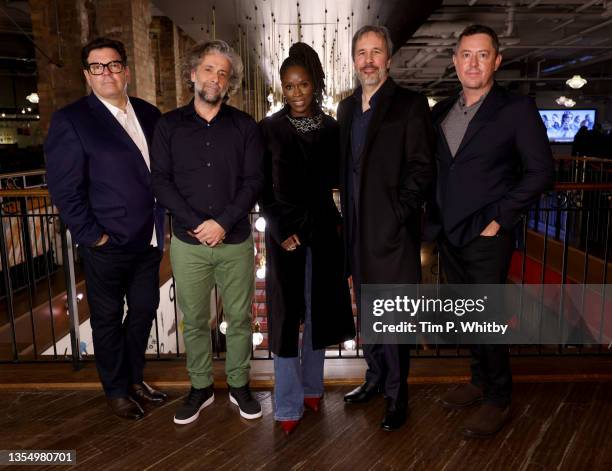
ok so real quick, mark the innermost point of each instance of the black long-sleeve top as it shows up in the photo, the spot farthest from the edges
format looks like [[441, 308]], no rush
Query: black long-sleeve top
[[208, 170]]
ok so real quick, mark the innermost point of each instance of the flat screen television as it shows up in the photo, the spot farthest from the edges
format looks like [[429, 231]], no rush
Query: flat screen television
[[562, 125]]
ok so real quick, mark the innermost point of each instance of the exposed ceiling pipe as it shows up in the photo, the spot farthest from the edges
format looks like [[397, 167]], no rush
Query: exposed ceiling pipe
[[577, 10], [444, 31], [509, 21], [440, 29], [534, 4], [422, 58], [559, 42], [587, 5], [563, 25]]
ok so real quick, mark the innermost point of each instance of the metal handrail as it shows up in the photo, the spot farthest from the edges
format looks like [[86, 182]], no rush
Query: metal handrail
[[559, 186], [569, 186], [26, 173], [583, 159], [27, 193]]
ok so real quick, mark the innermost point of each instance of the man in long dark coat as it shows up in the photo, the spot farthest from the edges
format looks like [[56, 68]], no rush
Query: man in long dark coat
[[387, 169]]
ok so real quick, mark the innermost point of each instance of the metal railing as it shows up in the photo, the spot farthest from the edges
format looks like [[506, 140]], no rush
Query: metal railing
[[44, 313], [23, 180], [583, 170]]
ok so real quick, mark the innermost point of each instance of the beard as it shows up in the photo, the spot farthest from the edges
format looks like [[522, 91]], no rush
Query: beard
[[209, 96], [372, 79]]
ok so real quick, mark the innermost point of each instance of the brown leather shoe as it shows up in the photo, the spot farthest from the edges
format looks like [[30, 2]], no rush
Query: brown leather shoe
[[486, 421], [125, 408], [145, 394], [462, 396]]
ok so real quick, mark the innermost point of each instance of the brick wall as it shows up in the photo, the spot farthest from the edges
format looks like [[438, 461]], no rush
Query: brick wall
[[128, 21], [165, 51], [60, 75], [155, 47]]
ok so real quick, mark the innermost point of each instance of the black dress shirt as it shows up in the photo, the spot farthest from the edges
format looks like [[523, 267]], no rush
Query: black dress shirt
[[208, 170]]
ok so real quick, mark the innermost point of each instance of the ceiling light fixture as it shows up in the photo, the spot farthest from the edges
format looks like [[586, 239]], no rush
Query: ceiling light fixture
[[576, 82], [564, 101]]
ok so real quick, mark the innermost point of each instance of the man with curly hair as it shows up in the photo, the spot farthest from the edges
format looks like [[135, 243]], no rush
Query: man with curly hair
[[207, 169]]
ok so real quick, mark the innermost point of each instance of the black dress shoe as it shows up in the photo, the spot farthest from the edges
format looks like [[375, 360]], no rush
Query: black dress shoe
[[145, 394], [362, 393], [395, 417], [125, 408]]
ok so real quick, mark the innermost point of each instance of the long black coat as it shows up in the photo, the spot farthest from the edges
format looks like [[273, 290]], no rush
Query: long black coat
[[397, 173], [300, 173]]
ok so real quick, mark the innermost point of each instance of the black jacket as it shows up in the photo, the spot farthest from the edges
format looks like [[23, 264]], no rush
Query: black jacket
[[503, 164], [300, 173]]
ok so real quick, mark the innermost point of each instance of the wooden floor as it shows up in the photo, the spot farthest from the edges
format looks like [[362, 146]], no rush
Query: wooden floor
[[565, 426]]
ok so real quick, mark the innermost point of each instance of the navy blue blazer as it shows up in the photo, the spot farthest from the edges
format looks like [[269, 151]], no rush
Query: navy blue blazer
[[503, 164], [98, 178]]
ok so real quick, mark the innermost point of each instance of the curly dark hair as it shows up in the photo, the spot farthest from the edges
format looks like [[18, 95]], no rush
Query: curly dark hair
[[302, 55]]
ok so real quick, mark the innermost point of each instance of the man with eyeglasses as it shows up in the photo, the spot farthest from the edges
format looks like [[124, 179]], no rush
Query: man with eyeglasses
[[98, 173]]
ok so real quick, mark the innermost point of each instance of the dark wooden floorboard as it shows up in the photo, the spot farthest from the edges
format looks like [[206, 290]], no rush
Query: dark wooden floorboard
[[565, 426]]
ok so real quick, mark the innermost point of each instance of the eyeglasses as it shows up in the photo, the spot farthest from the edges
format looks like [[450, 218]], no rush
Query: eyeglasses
[[97, 68]]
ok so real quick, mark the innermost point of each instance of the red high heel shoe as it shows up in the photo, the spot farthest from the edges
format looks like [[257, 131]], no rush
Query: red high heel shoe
[[288, 425], [313, 403]]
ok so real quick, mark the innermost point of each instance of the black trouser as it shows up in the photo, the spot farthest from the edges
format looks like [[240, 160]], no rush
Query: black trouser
[[388, 365], [111, 275], [485, 260]]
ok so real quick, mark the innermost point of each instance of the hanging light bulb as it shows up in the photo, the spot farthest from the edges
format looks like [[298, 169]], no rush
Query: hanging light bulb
[[569, 103], [431, 101], [260, 224], [258, 337], [223, 327], [33, 98], [261, 273], [576, 82], [350, 345], [561, 100]]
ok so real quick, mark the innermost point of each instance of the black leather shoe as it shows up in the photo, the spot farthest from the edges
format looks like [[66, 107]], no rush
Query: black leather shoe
[[362, 394], [125, 408], [395, 417], [145, 394]]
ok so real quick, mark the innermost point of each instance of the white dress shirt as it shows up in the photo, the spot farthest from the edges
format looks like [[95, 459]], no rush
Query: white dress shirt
[[128, 121]]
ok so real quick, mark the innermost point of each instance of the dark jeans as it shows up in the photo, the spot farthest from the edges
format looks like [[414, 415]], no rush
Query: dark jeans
[[120, 344], [485, 260]]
